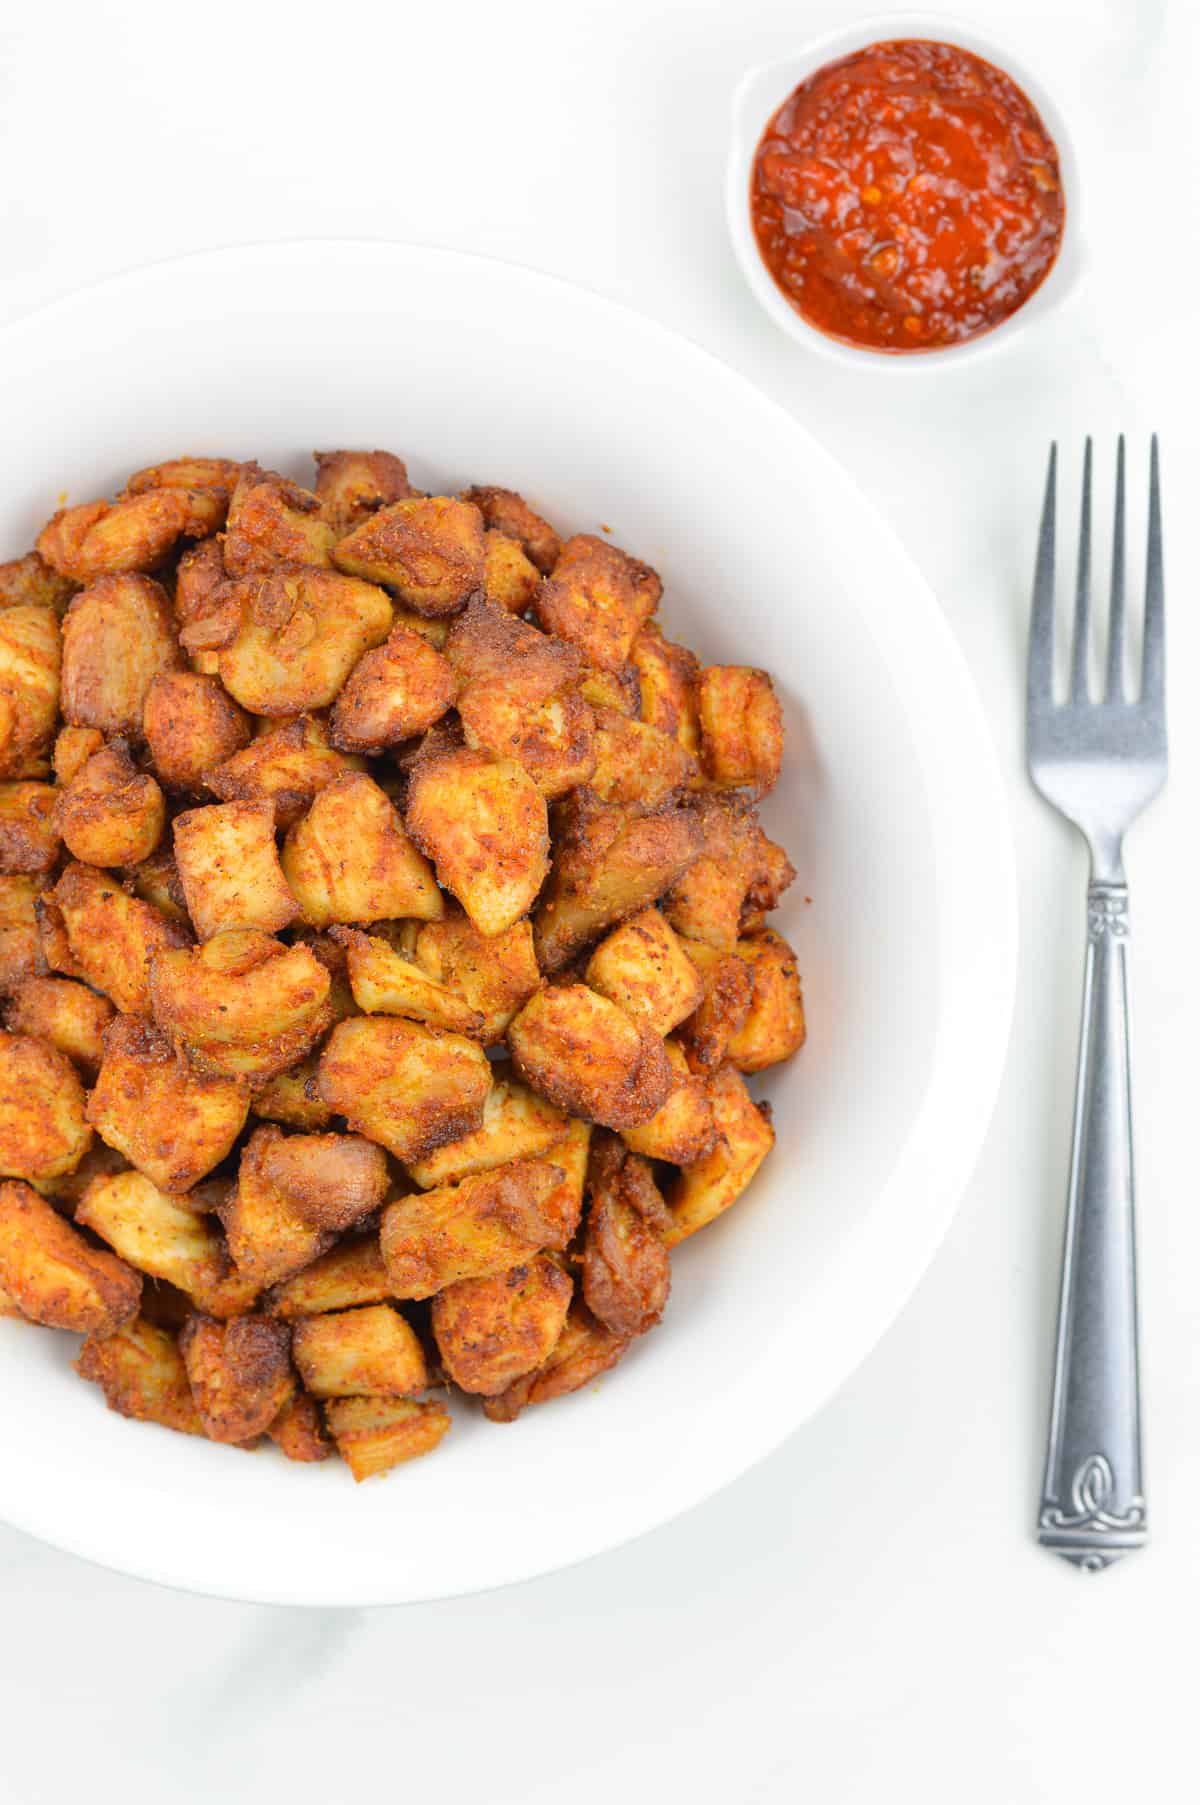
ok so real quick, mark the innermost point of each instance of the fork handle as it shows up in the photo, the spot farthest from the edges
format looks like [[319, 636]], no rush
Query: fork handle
[[1093, 1509]]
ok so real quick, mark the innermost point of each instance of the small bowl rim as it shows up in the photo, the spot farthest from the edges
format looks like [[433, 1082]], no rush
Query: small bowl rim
[[762, 89]]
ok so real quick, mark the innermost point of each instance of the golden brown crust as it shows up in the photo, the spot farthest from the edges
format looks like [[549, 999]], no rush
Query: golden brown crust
[[667, 680], [169, 1120], [373, 1435], [298, 1431], [269, 1239], [352, 485], [706, 1189], [683, 1130], [108, 936], [242, 1005], [397, 690], [53, 1275], [626, 1270], [489, 1223], [492, 1331], [351, 859], [507, 512], [330, 1180], [111, 813], [517, 1124], [63, 1012], [367, 1352], [428, 550], [643, 966], [609, 862], [482, 821], [166, 1236], [30, 661], [352, 1273], [220, 476], [297, 635], [741, 727], [191, 725], [287, 765], [239, 1373], [589, 1057], [599, 598], [229, 868], [385, 982], [405, 1086], [135, 533], [140, 1370], [273, 522], [31, 582], [773, 1028], [117, 636], [21, 953], [43, 1129], [584, 1351], [519, 697], [510, 579], [28, 832]]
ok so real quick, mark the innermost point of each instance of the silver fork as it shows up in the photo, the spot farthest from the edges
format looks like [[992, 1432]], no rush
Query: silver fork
[[1100, 763]]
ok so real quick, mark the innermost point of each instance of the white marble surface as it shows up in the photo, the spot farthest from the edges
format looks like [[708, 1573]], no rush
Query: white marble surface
[[866, 1609]]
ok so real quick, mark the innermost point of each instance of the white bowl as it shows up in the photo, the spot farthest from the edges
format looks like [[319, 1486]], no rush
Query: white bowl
[[891, 805], [762, 91]]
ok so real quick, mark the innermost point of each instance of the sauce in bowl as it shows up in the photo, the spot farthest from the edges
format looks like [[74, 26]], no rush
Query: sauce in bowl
[[907, 197]]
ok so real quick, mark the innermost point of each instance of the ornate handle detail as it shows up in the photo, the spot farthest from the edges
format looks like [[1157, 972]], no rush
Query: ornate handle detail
[[1093, 1510]]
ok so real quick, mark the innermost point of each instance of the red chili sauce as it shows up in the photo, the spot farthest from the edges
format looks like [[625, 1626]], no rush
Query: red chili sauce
[[907, 197]]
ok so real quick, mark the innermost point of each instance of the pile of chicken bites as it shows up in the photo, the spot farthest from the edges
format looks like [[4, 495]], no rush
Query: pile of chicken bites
[[384, 947]]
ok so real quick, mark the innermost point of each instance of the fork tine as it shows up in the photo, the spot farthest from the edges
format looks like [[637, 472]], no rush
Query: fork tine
[[1115, 684], [1153, 647], [1083, 586], [1041, 624]]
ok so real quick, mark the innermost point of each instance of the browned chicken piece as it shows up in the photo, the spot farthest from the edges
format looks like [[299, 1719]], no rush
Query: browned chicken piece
[[728, 990], [428, 550], [517, 1124], [43, 1128], [298, 1431], [773, 1029], [493, 974], [21, 954], [191, 724], [31, 582], [107, 936], [617, 689], [408, 1087], [269, 1239], [243, 1004], [29, 839], [220, 476], [170, 1121], [507, 512], [111, 813], [583, 1351], [598, 597], [625, 1270], [385, 982], [239, 1373], [684, 1129], [350, 859], [330, 1180], [166, 1236], [482, 820], [393, 692], [744, 1138], [492, 1331], [229, 868], [73, 746], [373, 1435], [736, 865], [271, 522], [489, 1223], [30, 660], [292, 1099], [519, 697], [590, 1057], [668, 676], [741, 727], [117, 636], [609, 863], [63, 1012], [288, 641], [53, 1275], [636, 762], [643, 965], [510, 580], [353, 485], [350, 1274], [136, 533], [367, 1352], [287, 765], [140, 1370]]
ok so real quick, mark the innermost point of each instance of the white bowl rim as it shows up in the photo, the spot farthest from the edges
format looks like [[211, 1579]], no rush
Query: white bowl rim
[[948, 1133], [764, 88]]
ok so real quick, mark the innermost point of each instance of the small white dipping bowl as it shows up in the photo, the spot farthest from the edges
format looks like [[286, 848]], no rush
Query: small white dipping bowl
[[762, 91]]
